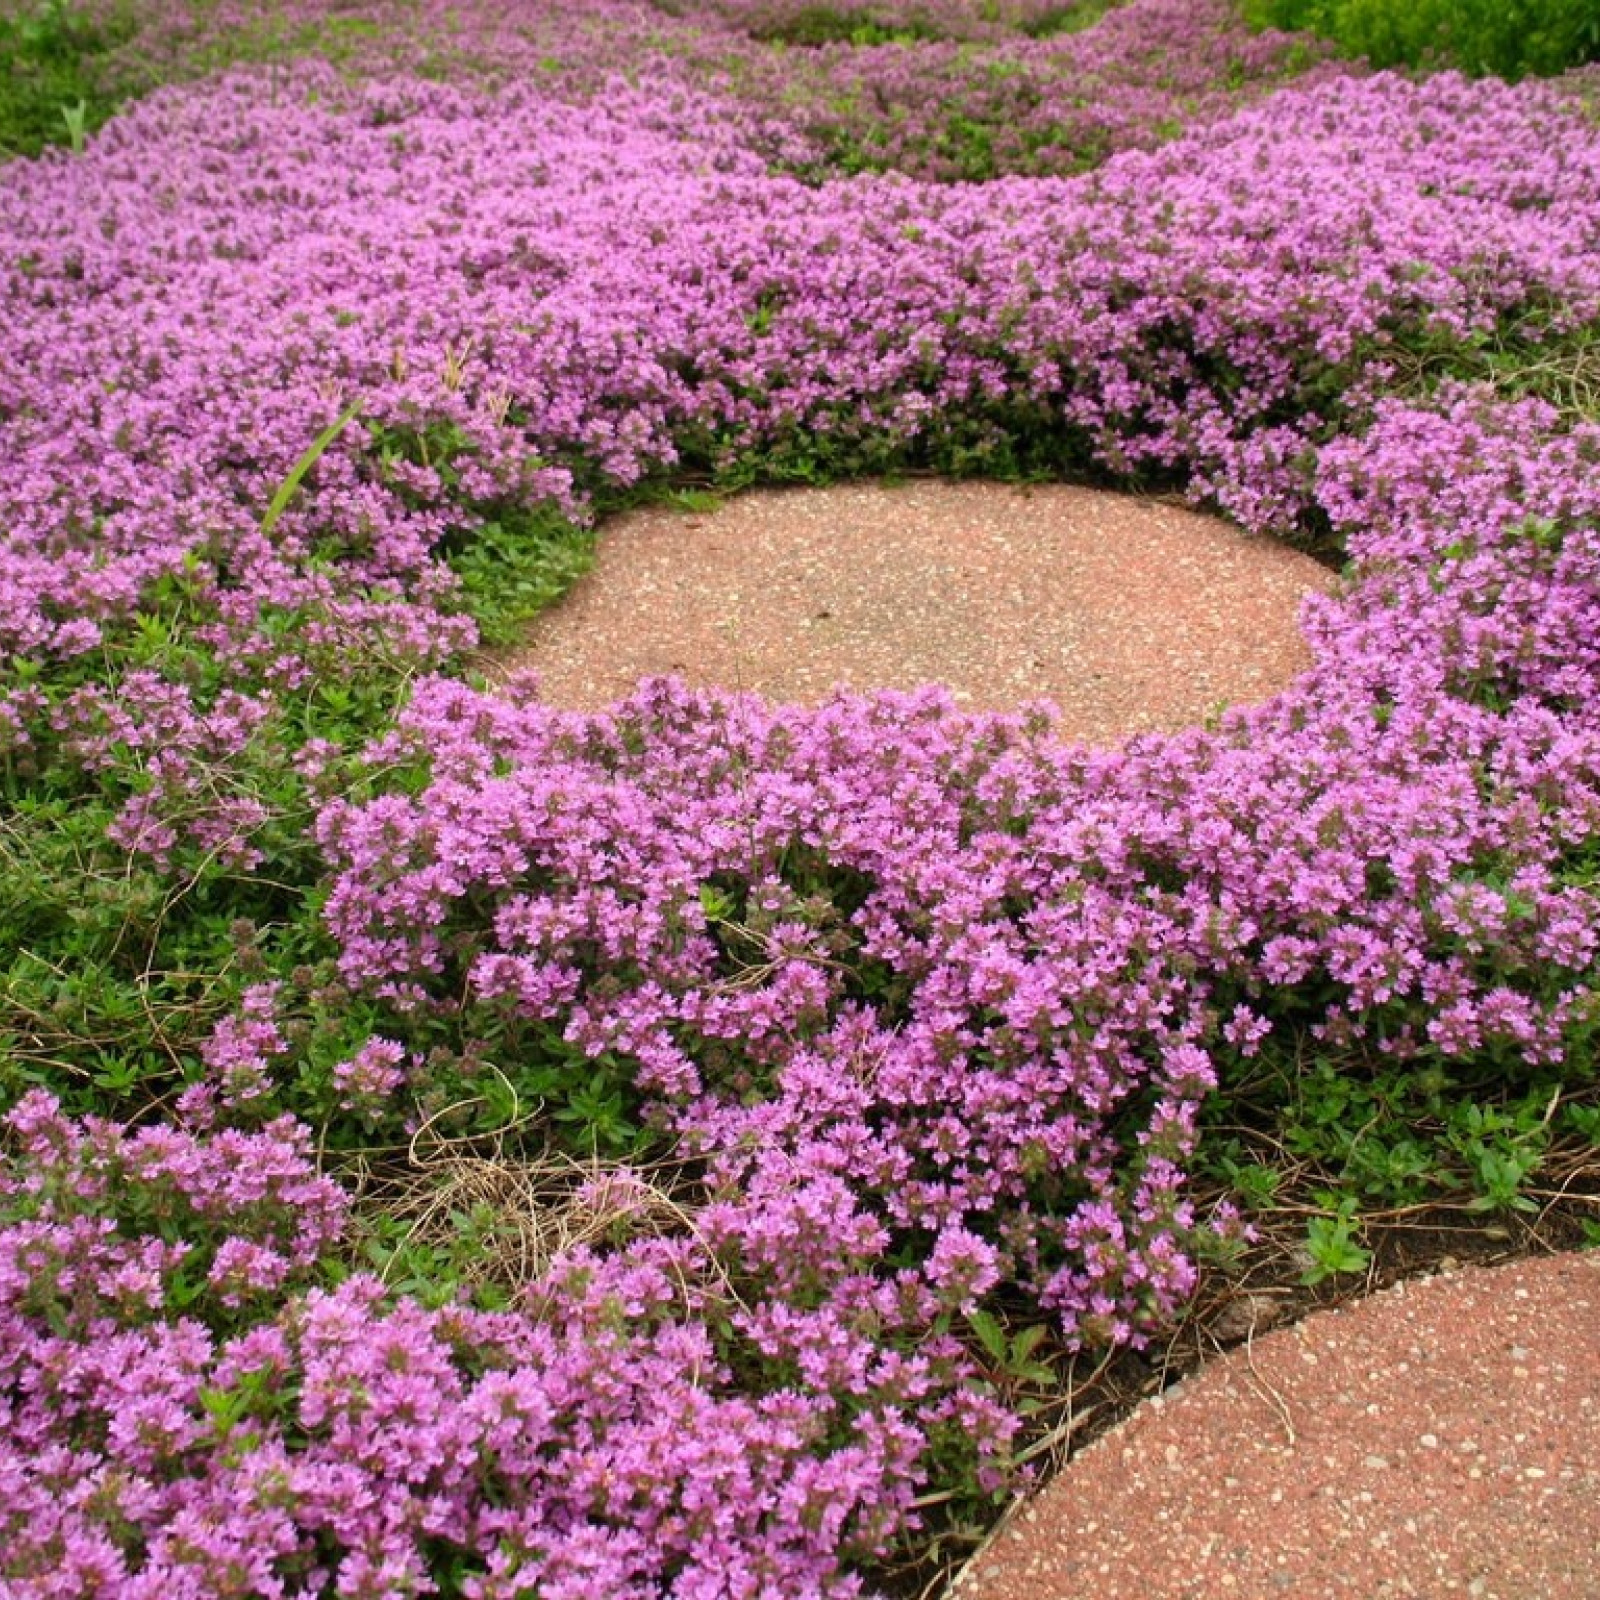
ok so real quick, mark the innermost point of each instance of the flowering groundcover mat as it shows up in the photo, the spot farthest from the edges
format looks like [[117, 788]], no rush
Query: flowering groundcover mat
[[836, 1036]]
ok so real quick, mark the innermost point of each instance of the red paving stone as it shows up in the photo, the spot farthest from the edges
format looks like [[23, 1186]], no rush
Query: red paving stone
[[1440, 1439]]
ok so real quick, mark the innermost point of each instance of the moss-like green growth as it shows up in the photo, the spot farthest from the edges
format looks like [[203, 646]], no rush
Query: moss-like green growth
[[1506, 38], [53, 89]]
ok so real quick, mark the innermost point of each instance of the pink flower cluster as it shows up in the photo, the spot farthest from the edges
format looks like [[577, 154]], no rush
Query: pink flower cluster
[[693, 880], [594, 1444]]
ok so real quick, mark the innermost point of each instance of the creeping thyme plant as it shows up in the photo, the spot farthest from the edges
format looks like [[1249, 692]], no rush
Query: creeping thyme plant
[[453, 1145]]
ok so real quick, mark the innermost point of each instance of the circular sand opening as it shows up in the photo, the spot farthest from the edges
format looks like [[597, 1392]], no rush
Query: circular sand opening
[[1129, 613]]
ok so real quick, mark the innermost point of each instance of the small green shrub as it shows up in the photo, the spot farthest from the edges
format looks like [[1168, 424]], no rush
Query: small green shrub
[[1508, 38]]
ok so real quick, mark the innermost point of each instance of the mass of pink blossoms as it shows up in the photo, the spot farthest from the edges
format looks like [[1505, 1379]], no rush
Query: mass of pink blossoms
[[928, 1004]]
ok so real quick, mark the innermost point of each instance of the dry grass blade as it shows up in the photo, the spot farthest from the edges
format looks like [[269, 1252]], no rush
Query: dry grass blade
[[505, 1219]]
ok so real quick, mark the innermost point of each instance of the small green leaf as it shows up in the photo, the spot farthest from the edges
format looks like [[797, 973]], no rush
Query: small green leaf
[[1027, 1341], [1332, 1249], [990, 1335]]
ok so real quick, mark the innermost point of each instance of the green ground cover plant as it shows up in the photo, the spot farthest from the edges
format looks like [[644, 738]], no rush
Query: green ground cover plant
[[1538, 37], [457, 1146], [50, 92]]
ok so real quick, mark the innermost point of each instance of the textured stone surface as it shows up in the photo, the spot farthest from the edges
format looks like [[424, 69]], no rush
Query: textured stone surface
[[1129, 613], [1439, 1439]]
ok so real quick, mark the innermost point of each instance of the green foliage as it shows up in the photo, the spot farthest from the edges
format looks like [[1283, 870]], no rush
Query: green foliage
[[65, 72], [1331, 1243], [1501, 1149], [814, 26], [1390, 1136], [560, 1096], [435, 1266], [1013, 1358], [1523, 359], [1015, 440], [1064, 19], [1255, 1183], [52, 81], [115, 966], [1509, 38], [514, 564], [818, 25], [94, 1002]]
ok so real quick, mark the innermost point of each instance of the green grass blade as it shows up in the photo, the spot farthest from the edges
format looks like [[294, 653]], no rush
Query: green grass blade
[[313, 455]]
